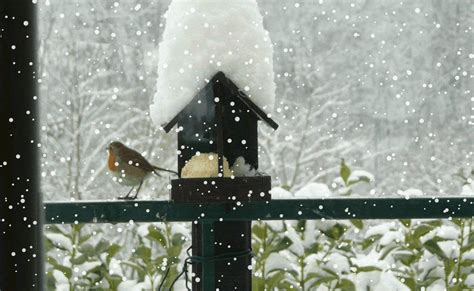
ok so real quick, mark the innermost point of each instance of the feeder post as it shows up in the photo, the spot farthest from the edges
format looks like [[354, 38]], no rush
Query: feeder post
[[21, 215], [208, 268], [219, 238], [220, 119]]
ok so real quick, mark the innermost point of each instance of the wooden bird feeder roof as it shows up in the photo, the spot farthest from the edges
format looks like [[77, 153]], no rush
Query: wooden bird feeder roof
[[230, 90]]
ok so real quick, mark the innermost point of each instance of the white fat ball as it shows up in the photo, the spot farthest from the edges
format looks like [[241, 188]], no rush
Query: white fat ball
[[204, 166]]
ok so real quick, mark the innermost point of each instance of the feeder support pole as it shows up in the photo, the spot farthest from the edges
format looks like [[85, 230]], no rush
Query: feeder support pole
[[208, 267]]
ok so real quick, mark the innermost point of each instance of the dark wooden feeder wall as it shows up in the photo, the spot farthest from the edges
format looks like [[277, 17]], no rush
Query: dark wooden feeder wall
[[223, 120]]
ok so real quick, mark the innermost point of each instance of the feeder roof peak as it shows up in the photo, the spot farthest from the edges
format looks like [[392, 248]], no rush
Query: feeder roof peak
[[230, 89]]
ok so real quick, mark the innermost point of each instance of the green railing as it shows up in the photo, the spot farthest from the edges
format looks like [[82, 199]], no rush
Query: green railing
[[292, 209], [288, 209]]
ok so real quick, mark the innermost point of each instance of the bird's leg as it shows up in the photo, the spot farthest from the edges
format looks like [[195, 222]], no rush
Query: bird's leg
[[138, 190], [126, 196]]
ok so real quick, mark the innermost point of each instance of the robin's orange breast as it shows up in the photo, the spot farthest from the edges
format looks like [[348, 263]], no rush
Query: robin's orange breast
[[111, 161]]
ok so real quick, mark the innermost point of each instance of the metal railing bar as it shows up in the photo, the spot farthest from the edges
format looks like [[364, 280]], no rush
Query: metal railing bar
[[288, 209]]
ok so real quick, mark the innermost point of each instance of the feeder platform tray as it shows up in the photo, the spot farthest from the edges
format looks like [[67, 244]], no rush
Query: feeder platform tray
[[221, 189]]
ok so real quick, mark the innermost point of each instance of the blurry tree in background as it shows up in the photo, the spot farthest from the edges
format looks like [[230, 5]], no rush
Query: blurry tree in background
[[97, 77], [384, 83], [387, 85]]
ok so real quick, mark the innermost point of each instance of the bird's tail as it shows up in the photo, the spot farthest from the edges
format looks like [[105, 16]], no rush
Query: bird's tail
[[162, 169]]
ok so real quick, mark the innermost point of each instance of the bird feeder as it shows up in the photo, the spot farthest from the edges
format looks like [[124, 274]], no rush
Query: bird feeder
[[221, 119]]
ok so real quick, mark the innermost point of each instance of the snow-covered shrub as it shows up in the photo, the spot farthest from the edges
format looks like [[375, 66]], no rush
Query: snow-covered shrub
[[80, 257], [289, 255], [84, 257]]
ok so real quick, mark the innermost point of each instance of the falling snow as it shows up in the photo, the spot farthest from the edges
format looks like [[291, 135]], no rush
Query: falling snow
[[386, 86]]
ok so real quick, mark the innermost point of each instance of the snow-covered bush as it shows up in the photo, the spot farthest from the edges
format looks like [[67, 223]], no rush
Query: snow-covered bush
[[84, 257], [299, 255]]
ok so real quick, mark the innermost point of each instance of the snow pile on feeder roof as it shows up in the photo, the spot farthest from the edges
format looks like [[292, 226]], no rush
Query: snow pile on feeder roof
[[204, 37]]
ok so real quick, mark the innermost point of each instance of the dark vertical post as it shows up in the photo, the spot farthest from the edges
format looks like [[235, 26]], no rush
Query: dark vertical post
[[196, 233], [231, 236], [222, 238], [21, 265], [208, 268]]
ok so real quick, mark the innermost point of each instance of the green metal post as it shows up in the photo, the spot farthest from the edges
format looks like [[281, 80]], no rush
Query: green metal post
[[208, 267]]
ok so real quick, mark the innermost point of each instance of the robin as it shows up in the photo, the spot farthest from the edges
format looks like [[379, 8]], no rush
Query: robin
[[130, 167]]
